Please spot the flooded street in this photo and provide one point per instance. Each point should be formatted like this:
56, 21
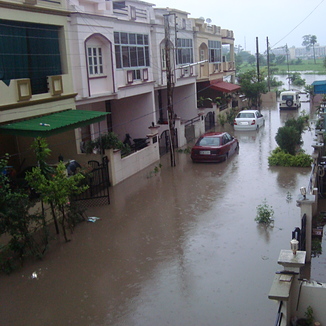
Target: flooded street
177, 248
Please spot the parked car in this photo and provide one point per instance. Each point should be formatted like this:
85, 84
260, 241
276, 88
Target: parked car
249, 120
214, 147
290, 100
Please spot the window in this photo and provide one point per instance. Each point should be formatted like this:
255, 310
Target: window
131, 50
184, 51
215, 51
95, 61
31, 51
163, 56
201, 55
119, 5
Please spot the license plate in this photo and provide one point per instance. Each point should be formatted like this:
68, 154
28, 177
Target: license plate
244, 123
205, 152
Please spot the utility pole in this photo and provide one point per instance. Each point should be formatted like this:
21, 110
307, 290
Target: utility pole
258, 72
257, 58
268, 71
169, 87
287, 61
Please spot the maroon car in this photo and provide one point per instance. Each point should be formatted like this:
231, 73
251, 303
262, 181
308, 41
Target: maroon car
214, 147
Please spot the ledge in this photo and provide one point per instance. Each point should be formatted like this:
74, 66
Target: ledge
281, 287
287, 259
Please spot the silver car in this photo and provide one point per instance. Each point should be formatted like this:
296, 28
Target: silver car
249, 120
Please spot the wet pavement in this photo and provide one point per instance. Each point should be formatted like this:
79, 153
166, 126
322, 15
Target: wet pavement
180, 247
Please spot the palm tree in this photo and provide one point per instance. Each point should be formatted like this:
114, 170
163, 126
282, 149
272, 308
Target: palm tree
308, 41
313, 41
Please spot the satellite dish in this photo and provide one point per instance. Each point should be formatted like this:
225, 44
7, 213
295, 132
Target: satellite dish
208, 20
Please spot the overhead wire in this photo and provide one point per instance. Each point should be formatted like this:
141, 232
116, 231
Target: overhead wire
298, 24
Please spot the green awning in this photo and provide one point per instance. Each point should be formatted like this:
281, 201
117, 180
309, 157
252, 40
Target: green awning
52, 124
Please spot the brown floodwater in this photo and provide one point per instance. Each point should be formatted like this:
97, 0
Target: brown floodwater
177, 248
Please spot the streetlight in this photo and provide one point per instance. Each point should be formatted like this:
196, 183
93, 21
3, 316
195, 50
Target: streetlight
303, 191
294, 246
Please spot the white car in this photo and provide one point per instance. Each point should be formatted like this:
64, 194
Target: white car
249, 120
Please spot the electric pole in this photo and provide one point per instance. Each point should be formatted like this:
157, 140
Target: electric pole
257, 58
268, 71
258, 72
169, 87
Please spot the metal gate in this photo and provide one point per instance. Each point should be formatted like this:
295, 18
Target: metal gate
98, 185
209, 121
164, 141
302, 246
300, 234
190, 129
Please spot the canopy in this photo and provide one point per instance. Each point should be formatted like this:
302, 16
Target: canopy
319, 86
224, 86
52, 124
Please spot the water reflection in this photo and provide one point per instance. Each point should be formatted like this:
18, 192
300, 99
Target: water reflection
180, 248
246, 136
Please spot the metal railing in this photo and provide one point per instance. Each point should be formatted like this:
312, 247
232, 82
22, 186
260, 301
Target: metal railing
279, 315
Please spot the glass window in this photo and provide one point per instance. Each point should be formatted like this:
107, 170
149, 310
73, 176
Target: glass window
37, 53
132, 39
131, 50
95, 61
215, 51
184, 52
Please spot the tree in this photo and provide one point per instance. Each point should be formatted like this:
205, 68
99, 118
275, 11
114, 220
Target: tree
252, 86
287, 139
53, 185
308, 41
296, 80
18, 223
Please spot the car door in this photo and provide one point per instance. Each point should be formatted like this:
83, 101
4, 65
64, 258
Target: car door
229, 142
260, 118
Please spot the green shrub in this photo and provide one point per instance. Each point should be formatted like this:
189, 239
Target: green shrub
288, 138
222, 119
265, 213
281, 158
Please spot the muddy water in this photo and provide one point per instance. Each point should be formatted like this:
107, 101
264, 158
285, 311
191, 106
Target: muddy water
177, 248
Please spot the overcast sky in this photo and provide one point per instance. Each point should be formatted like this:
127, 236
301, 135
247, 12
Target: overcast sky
282, 21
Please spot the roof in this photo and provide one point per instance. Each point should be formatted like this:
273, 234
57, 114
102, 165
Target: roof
224, 86
319, 86
52, 124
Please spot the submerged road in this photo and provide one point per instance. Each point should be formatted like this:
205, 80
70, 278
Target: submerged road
180, 247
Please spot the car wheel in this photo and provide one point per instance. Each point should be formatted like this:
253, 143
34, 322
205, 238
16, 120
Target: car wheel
289, 103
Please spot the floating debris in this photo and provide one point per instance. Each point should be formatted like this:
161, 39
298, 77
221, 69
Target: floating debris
92, 219
288, 196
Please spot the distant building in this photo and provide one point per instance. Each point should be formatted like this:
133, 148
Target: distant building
301, 52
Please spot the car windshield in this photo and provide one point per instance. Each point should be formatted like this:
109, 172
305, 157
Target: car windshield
287, 97
246, 115
209, 141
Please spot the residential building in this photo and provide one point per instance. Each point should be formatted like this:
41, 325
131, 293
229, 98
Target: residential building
115, 52
35, 71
